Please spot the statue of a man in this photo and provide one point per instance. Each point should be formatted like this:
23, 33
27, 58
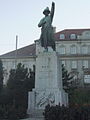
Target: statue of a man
47, 32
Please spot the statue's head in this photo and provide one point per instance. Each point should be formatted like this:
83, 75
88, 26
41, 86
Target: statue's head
46, 11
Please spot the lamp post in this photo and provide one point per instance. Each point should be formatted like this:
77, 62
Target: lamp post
16, 51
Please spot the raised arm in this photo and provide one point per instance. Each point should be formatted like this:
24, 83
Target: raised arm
52, 11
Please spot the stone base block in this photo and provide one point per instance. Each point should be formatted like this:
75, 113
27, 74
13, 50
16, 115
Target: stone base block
38, 99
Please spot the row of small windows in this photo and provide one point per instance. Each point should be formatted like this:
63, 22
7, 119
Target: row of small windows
74, 64
73, 49
72, 36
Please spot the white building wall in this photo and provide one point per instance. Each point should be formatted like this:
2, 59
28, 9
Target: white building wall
83, 40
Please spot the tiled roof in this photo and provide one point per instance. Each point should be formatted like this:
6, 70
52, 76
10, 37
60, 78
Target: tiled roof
68, 32
26, 51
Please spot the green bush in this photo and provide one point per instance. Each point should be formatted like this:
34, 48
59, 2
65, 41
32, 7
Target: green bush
81, 96
67, 113
14, 96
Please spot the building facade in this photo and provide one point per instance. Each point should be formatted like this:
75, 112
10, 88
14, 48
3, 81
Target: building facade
73, 47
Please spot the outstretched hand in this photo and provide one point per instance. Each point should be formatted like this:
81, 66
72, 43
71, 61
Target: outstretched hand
53, 3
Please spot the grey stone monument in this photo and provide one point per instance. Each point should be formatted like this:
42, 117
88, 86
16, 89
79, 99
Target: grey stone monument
48, 75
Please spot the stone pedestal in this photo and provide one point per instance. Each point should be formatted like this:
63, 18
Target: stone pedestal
48, 82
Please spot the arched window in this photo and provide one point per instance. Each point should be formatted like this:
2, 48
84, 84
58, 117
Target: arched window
84, 49
62, 49
72, 36
74, 64
73, 49
85, 64
62, 36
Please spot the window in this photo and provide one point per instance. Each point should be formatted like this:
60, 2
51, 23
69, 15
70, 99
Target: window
85, 63
84, 49
63, 62
14, 64
74, 64
73, 49
73, 36
5, 72
62, 36
62, 49
87, 34
89, 49
87, 79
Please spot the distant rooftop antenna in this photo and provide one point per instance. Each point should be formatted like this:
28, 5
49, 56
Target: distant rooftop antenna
16, 51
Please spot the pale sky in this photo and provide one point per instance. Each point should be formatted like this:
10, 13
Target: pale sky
21, 17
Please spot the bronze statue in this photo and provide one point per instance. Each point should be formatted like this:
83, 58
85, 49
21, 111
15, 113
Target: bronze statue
47, 34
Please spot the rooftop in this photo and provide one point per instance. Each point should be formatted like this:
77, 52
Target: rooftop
26, 51
30, 50
68, 32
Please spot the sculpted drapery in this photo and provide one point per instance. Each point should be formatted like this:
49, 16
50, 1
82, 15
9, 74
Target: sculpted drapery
47, 34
